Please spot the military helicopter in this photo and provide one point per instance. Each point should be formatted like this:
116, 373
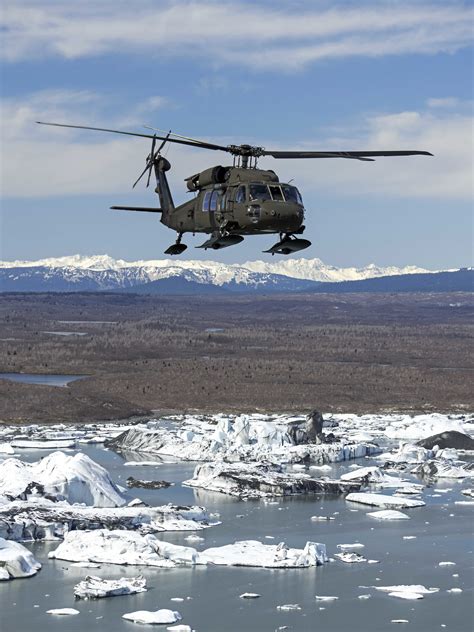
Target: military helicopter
232, 201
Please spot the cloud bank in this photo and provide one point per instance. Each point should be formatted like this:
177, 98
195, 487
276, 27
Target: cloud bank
261, 36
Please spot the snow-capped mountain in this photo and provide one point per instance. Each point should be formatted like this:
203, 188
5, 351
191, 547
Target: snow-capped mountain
102, 272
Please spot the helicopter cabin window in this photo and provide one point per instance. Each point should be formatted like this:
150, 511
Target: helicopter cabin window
276, 192
213, 201
292, 194
206, 200
240, 194
259, 192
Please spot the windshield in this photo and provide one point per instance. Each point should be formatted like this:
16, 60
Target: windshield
275, 192
259, 192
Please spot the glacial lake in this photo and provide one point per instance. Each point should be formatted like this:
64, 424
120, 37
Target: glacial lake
442, 530
41, 378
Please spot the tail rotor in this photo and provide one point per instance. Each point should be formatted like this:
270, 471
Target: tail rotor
150, 161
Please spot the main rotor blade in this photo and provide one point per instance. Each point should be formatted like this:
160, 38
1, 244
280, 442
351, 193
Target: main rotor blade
199, 144
156, 129
357, 155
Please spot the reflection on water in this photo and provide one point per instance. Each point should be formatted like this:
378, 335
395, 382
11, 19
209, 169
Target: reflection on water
41, 378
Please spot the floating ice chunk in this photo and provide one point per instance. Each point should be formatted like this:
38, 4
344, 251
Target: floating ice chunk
289, 606
194, 538
346, 547
77, 479
382, 500
6, 448
447, 564
249, 595
350, 558
409, 537
96, 588
121, 547
16, 561
25, 444
389, 514
258, 481
406, 595
41, 519
177, 599
442, 469
454, 590
325, 598
180, 628
85, 565
153, 617
399, 621
410, 588
364, 596
322, 518
371, 475
468, 492
466, 503
257, 554
63, 611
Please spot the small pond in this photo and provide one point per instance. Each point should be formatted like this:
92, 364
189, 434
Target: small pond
41, 378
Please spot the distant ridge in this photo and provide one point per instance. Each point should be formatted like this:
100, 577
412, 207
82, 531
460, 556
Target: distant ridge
453, 281
165, 276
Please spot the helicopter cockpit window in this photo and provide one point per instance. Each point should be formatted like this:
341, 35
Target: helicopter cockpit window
292, 194
276, 192
240, 194
205, 202
259, 192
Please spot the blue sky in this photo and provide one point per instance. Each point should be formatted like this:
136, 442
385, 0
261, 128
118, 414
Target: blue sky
313, 75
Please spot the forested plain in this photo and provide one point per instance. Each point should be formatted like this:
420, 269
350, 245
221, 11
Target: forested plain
360, 353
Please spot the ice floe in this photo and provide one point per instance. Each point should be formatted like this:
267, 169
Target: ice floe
93, 587
16, 561
63, 612
249, 595
254, 553
129, 547
412, 591
259, 480
388, 514
153, 617
242, 438
42, 519
77, 479
382, 500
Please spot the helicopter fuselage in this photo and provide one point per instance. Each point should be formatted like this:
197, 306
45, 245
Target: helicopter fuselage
237, 201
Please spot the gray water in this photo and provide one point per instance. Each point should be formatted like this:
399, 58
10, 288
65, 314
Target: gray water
41, 378
443, 532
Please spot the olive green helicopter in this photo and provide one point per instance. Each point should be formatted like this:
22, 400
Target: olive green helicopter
232, 201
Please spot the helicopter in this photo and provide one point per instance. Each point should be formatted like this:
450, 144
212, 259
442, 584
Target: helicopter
232, 201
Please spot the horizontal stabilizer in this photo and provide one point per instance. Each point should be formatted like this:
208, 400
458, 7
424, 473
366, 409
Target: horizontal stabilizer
145, 209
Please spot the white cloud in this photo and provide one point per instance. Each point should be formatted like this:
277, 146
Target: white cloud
46, 161
259, 36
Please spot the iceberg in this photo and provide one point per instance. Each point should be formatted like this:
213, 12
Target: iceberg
388, 514
77, 479
129, 547
260, 481
42, 519
153, 617
382, 500
97, 588
16, 561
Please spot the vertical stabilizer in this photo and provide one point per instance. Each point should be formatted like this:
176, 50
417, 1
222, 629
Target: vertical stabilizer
162, 165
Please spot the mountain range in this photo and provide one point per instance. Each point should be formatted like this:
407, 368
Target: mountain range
103, 273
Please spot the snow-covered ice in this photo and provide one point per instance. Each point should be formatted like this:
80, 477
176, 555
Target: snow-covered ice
259, 481
93, 587
153, 617
388, 514
382, 500
77, 479
16, 561
129, 547
63, 612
